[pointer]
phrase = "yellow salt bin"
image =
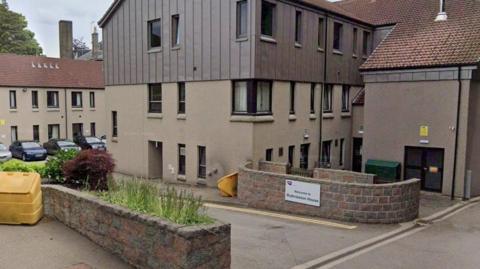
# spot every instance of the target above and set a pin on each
(228, 185)
(20, 198)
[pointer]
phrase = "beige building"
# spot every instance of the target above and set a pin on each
(194, 90)
(422, 91)
(47, 98)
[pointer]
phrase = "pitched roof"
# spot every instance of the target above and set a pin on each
(44, 72)
(321, 4)
(417, 41)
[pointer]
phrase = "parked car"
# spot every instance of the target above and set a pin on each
(28, 151)
(104, 139)
(53, 146)
(5, 154)
(90, 142)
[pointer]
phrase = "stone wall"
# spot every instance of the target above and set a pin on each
(343, 176)
(353, 202)
(140, 240)
(281, 168)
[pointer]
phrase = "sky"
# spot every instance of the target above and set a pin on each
(43, 17)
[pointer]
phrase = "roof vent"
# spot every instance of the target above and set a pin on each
(33, 65)
(442, 15)
(56, 66)
(39, 65)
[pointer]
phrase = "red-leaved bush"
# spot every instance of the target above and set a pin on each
(89, 169)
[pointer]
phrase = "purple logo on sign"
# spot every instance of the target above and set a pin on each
(289, 182)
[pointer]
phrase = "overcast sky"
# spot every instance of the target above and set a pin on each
(43, 17)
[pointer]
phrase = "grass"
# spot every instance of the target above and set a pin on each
(179, 207)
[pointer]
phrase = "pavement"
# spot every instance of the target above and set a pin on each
(452, 242)
(52, 245)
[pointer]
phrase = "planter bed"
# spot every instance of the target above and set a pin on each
(140, 240)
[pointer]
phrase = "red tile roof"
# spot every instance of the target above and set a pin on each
(44, 72)
(418, 41)
(359, 99)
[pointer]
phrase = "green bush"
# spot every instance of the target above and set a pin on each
(20, 166)
(54, 166)
(142, 196)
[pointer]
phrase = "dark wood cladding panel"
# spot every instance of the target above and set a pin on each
(208, 51)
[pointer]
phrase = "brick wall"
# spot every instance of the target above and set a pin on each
(140, 240)
(343, 176)
(281, 168)
(353, 202)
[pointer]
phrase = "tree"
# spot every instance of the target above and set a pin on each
(79, 47)
(14, 35)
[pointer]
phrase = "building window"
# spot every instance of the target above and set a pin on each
(292, 98)
(53, 131)
(93, 129)
(291, 155)
(114, 124)
(280, 152)
(36, 133)
(13, 99)
(341, 160)
(181, 98)
(298, 27)
(77, 99)
(155, 34)
(326, 150)
(355, 41)
(327, 99)
(268, 155)
(366, 43)
(321, 33)
(34, 99)
(312, 98)
(181, 159)
(92, 99)
(77, 129)
(345, 98)
(202, 162)
(304, 154)
(242, 13)
(14, 133)
(155, 98)
(268, 19)
(52, 99)
(252, 97)
(175, 30)
(337, 36)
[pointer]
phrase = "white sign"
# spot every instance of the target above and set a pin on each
(303, 193)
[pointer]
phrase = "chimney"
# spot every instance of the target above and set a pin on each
(442, 15)
(95, 44)
(66, 39)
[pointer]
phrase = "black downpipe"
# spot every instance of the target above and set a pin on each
(66, 114)
(459, 103)
(325, 56)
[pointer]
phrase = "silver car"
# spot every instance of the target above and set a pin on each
(5, 154)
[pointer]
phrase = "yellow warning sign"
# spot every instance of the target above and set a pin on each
(424, 131)
(2, 122)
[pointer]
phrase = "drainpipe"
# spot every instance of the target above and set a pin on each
(459, 102)
(323, 88)
(66, 114)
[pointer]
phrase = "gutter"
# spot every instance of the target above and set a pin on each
(325, 47)
(459, 102)
(66, 114)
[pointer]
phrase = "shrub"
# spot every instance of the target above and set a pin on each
(142, 196)
(89, 169)
(20, 166)
(54, 166)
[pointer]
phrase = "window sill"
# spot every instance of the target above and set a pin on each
(313, 116)
(35, 110)
(155, 116)
(53, 109)
(354, 56)
(328, 115)
(346, 114)
(181, 177)
(176, 47)
(93, 109)
(181, 117)
(364, 57)
(268, 39)
(298, 45)
(292, 117)
(251, 118)
(12, 110)
(154, 50)
(241, 39)
(114, 139)
(337, 52)
(320, 50)
(77, 109)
